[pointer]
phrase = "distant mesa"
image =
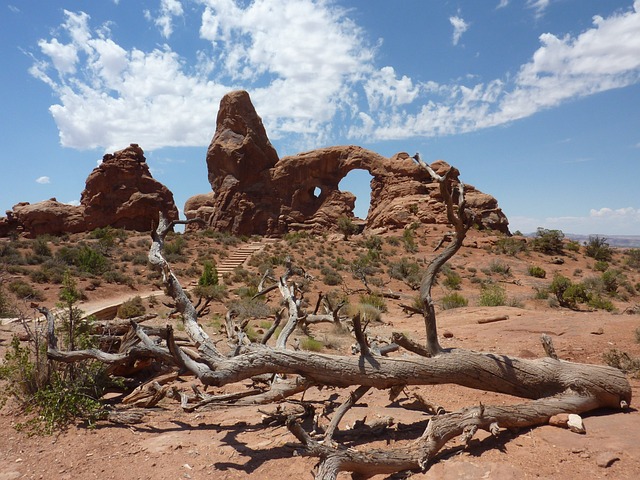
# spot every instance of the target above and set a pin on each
(255, 192)
(120, 192)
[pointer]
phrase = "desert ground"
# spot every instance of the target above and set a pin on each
(233, 442)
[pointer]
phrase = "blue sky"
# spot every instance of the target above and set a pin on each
(537, 102)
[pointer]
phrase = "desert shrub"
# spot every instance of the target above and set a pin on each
(496, 266)
(84, 258)
(330, 276)
(567, 293)
(596, 301)
(174, 250)
(209, 275)
(549, 242)
(601, 266)
(633, 258)
(510, 246)
(407, 271)
(346, 226)
(40, 247)
(119, 278)
(6, 307)
(393, 241)
(572, 246)
(453, 300)
(537, 272)
(132, 307)
(408, 240)
(611, 280)
(56, 394)
(368, 312)
(598, 248)
(311, 344)
(373, 242)
(492, 295)
(374, 300)
(541, 294)
(139, 258)
(623, 361)
(212, 293)
(23, 290)
(249, 308)
(452, 279)
(9, 254)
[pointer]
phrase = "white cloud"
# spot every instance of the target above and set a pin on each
(75, 203)
(13, 8)
(168, 10)
(603, 57)
(503, 3)
(539, 6)
(43, 180)
(300, 77)
(304, 78)
(459, 27)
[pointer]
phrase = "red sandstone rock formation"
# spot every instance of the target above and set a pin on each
(120, 193)
(254, 192)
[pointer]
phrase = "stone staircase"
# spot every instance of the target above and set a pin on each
(241, 255)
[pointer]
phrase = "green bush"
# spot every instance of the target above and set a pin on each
(612, 279)
(492, 295)
(549, 242)
(598, 248)
(209, 275)
(572, 246)
(510, 246)
(330, 276)
(212, 293)
(131, 308)
(453, 300)
(601, 266)
(407, 271)
(596, 301)
(633, 258)
(409, 241)
(452, 279)
(374, 300)
(537, 272)
(311, 344)
(346, 226)
(6, 307)
(23, 290)
(40, 247)
(496, 266)
(569, 294)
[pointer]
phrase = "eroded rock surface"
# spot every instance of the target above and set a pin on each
(254, 192)
(120, 192)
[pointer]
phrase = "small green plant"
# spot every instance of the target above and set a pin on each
(330, 276)
(23, 290)
(374, 300)
(492, 295)
(549, 242)
(633, 258)
(501, 268)
(510, 246)
(598, 248)
(346, 226)
(572, 246)
(408, 239)
(452, 279)
(596, 301)
(601, 266)
(131, 308)
(311, 344)
(209, 275)
(407, 271)
(453, 300)
(537, 272)
(567, 293)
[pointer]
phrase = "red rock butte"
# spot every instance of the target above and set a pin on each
(256, 192)
(120, 193)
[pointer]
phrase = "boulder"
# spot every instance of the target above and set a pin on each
(47, 217)
(255, 192)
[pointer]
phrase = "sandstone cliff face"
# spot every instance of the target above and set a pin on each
(120, 193)
(254, 192)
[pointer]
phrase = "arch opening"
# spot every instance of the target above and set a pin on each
(358, 182)
(317, 192)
